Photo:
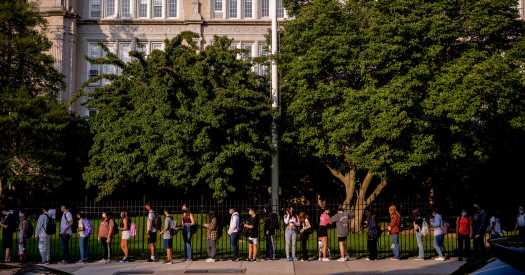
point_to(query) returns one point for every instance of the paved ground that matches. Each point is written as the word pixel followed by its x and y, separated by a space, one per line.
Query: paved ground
pixel 272 267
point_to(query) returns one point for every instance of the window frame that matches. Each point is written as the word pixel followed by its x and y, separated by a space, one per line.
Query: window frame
pixel 90 8
pixel 169 4
pixel 230 6
pixel 154 5
pixel 121 8
pixel 245 5
pixel 139 6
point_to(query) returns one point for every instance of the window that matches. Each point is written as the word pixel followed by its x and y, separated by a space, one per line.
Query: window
pixel 124 49
pixel 232 11
pixel 172 8
pixel 157 8
pixel 247 50
pixel 280 9
pixel 142 47
pixel 143 8
pixel 125 10
pixel 217 5
pixel 109 69
pixel 94 8
pixel 265 8
pixel 110 8
pixel 247 8
pixel 94 51
pixel 262 68
pixel 157 46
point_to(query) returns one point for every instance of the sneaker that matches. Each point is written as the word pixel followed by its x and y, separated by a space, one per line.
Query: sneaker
pixel 103 261
pixel 419 259
pixel 394 259
pixel 325 259
pixel 440 259
pixel 168 262
pixel 341 259
pixel 210 260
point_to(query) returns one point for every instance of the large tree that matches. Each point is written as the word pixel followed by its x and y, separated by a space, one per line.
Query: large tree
pixel 184 117
pixel 373 89
pixel 33 125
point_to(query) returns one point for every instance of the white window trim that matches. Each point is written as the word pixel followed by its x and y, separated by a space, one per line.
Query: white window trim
pixel 101 11
pixel 90 66
pixel 167 13
pixel 131 9
pixel 148 9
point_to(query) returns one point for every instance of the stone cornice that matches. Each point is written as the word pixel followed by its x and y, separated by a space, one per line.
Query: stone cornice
pixel 174 22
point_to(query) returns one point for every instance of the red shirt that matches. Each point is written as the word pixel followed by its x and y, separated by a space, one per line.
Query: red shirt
pixel 395 221
pixel 464 226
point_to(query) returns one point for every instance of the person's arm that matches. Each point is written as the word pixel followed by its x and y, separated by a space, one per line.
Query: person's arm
pixel 213 224
pixel 307 224
pixel 286 219
pixel 334 218
pixel 232 225
pixel 192 220
pixel 111 228
pixel 471 228
pixel 149 223
pixel 457 225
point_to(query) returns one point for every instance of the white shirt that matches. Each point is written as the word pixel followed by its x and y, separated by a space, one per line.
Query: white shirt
pixel 521 220
pixel 234 224
pixel 151 221
pixel 65 223
pixel 495 225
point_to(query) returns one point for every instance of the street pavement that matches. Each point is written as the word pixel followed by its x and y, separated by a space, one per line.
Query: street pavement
pixel 358 266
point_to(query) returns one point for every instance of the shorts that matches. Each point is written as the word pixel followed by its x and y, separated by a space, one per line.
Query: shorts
pixel 323 231
pixel 252 240
pixel 341 239
pixel 168 243
pixel 152 237
pixel 125 235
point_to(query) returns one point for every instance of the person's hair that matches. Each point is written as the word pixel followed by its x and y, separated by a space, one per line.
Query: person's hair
pixel 302 216
pixel 434 209
pixel 393 210
pixel 211 214
pixel 340 208
pixel 64 206
pixel 148 204
pixel 125 213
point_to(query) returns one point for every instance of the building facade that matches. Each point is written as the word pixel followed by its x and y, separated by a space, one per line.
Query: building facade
pixel 76 27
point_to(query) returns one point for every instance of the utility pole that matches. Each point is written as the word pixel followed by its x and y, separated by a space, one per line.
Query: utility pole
pixel 275 107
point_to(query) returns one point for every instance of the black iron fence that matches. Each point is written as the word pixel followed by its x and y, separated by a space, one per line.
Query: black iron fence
pixel 356 242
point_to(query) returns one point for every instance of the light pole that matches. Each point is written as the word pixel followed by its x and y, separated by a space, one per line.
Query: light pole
pixel 275 107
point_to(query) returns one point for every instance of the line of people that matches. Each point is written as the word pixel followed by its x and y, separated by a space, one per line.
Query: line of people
pixel 296 226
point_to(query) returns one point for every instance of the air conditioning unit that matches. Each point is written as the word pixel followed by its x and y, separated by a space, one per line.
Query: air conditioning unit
pixel 93 72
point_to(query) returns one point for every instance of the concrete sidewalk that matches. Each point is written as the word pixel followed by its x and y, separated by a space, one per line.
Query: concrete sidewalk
pixel 283 267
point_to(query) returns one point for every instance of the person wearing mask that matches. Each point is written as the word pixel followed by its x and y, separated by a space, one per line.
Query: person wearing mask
pixel 342 224
pixel 479 228
pixel 167 232
pixel 252 228
pixel 495 226
pixel 372 235
pixel 125 235
pixel 66 223
pixel 187 223
pixel 324 222
pixel 233 232
pixel 394 228
pixel 211 236
pixel 418 227
pixel 151 230
pixel 105 235
pixel 270 227
pixel 25 230
pixel 42 229
pixel 439 234
pixel 520 222
pixel 8 225
pixel 464 234
pixel 291 221
pixel 84 231
pixel 304 234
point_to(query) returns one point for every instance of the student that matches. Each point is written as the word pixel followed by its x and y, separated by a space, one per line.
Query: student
pixel 252 227
pixel 393 228
pixel 291 222
pixel 25 230
pixel 270 227
pixel 66 223
pixel 464 233
pixel 372 235
pixel 304 234
pixel 495 226
pixel 233 232
pixel 151 231
pixel 479 228
pixel 324 222
pixel 84 231
pixel 8 225
pixel 105 235
pixel 187 223
pixel 439 234
pixel 520 222
pixel 125 235
pixel 211 236
pixel 418 227
pixel 41 233
pixel 167 232
pixel 342 220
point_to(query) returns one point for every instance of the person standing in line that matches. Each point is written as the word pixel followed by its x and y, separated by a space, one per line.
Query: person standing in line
pixel 151 230
pixel 187 223
pixel 464 234
pixel 125 235
pixel 41 233
pixel 291 222
pixel 211 236
pixel 418 227
pixel 252 227
pixel 324 222
pixel 520 222
pixel 479 228
pixel 25 231
pixel 105 235
pixel 439 234
pixel 167 232
pixel 495 226
pixel 342 224
pixel 270 227
pixel 394 228
pixel 66 223
pixel 304 234
pixel 8 225
pixel 372 235
pixel 84 231
pixel 233 232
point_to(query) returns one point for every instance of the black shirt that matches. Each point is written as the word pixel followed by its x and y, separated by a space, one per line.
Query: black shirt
pixel 419 222
pixel 253 232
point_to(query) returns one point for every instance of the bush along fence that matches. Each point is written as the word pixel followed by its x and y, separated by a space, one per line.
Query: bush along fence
pixel 356 241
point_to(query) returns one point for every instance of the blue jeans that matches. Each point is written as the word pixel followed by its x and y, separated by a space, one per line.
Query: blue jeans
pixel 83 245
pixel 395 245
pixel 290 238
pixel 186 236
pixel 234 242
pixel 420 247
pixel 64 242
pixel 438 244
pixel 270 249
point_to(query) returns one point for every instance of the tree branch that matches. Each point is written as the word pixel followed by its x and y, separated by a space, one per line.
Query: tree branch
pixel 379 188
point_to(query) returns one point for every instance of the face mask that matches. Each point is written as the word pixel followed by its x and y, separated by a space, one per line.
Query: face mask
pixel 463 214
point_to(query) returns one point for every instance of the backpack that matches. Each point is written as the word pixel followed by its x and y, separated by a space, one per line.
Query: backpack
pixel 51 227
pixel 424 228
pixel 445 227
pixel 74 225
pixel 173 228
pixel 88 229
pixel 157 224
pixel 30 230
pixel 133 230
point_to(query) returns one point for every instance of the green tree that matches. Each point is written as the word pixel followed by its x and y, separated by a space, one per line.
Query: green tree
pixel 181 117
pixel 33 124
